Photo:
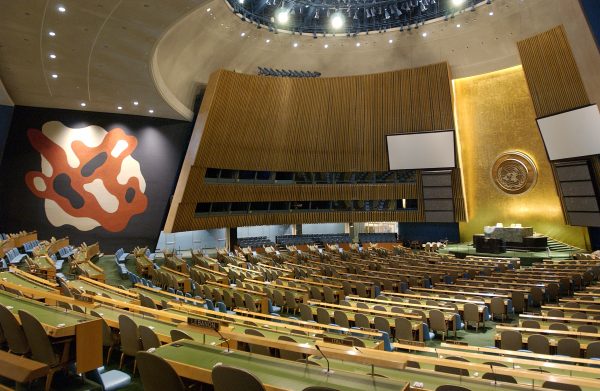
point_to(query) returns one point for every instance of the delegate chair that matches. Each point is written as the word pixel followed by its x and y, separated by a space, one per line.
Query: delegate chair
pixel 290 302
pixel 471 314
pixel 13 332
pixel 288 354
pixel 130 340
pixel 148 337
pixel 560 386
pixel 329 295
pixel 558 326
pixel 341 319
pixel 176 335
pixel 382 324
pixel 450 387
pixel 531 324
pixel 593 350
pixel 41 347
pixel 453 370
pixel 257 349
pixel 437 322
pixel 108 341
pixel 226 378
pixel 361 320
pixel 323 316
pixel 511 340
pixel 403 329
pixel 568 347
pixel 497 307
pixel 305 313
pixel 496 377
pixel 157 374
pixel 538 343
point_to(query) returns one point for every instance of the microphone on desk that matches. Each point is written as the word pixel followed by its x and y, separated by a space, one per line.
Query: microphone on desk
pixel 323 355
pixel 223 339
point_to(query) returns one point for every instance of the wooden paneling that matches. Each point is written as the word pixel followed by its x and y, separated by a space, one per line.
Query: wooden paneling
pixel 313 125
pixel 319 125
pixel 189 222
pixel 552 75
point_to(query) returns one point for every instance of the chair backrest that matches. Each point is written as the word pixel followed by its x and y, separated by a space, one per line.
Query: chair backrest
pixel 452 370
pixel 148 337
pixel 319 388
pixel 497 377
pixel 568 347
pixel 538 343
pixel 497 305
pixel 361 320
pixel 315 293
pixel 226 378
pixel 558 326
pixel 511 340
pixel 249 301
pixel 362 305
pixel 560 386
pixel 290 300
pixel 41 347
pixel 287 354
pixel 305 312
pixel 579 315
pixel 13 332
pixel 176 335
pixel 593 350
pixel 157 374
pixel 341 319
pixel 323 316
pixel 471 312
pixel 437 321
pixel 329 295
pixel 556 313
pixel 257 349
pixel 382 324
pixel 130 340
pixel 587 328
pixel 107 338
pixel 530 324
pixel 403 328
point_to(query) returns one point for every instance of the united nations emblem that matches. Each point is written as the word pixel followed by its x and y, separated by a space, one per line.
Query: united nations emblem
pixel 514 172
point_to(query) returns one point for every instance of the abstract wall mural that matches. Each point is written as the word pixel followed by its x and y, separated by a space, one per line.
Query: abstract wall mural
pixel 90 176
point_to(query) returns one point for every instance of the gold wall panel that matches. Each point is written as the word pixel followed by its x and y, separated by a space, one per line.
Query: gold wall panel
pixel 494 115
pixel 552 74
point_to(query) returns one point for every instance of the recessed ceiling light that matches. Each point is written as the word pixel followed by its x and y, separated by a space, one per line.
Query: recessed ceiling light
pixel 491 13
pixel 51 33
pixel 295 44
pixel 83 104
pixel 326 46
pixel 119 107
pixel 61 8
pixel 424 35
pixel 135 103
pixel 391 41
pixel 358 44
pixel 54 76
pixel 243 34
pixel 268 40
pixel 458 26
pixel 52 56
pixel 151 111
pixel 457 2
pixel 208 10
pixel 241 1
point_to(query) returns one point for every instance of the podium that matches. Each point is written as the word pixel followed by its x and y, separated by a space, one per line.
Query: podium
pixel 488 245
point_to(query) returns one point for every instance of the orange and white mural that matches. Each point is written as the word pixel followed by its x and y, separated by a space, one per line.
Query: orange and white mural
pixel 88 177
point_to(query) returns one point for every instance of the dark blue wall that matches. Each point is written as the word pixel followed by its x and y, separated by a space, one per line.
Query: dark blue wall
pixel 161 145
pixel 5 119
pixel 428 232
pixel 591 9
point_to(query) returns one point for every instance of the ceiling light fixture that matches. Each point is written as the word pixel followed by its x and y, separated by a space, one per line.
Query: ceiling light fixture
pixel 61 9
pixel 456 3
pixel 424 35
pixel 51 33
pixel 358 44
pixel 337 21
pixel 83 104
pixel 52 56
pixel 458 26
pixel 243 34
pixel 135 103
pixel 283 16
pixel 54 76
pixel 151 111
pixel 326 46
pixel 119 107
pixel 208 10
pixel 295 44
pixel 268 41
pixel 391 41
pixel 491 13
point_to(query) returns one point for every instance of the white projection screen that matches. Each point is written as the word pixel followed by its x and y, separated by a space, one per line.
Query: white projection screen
pixel 575 133
pixel 421 150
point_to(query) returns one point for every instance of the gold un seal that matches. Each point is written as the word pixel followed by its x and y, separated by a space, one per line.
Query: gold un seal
pixel 514 172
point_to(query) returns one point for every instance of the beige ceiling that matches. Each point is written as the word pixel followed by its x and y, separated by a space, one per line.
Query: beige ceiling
pixel 205 41
pixel 102 47
pixel 159 52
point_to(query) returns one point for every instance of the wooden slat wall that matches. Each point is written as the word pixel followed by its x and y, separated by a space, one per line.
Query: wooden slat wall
pixel 553 79
pixel 552 75
pixel 314 125
pixel 320 125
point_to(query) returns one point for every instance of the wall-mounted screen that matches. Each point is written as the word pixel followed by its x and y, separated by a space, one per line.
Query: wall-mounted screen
pixel 575 133
pixel 421 150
